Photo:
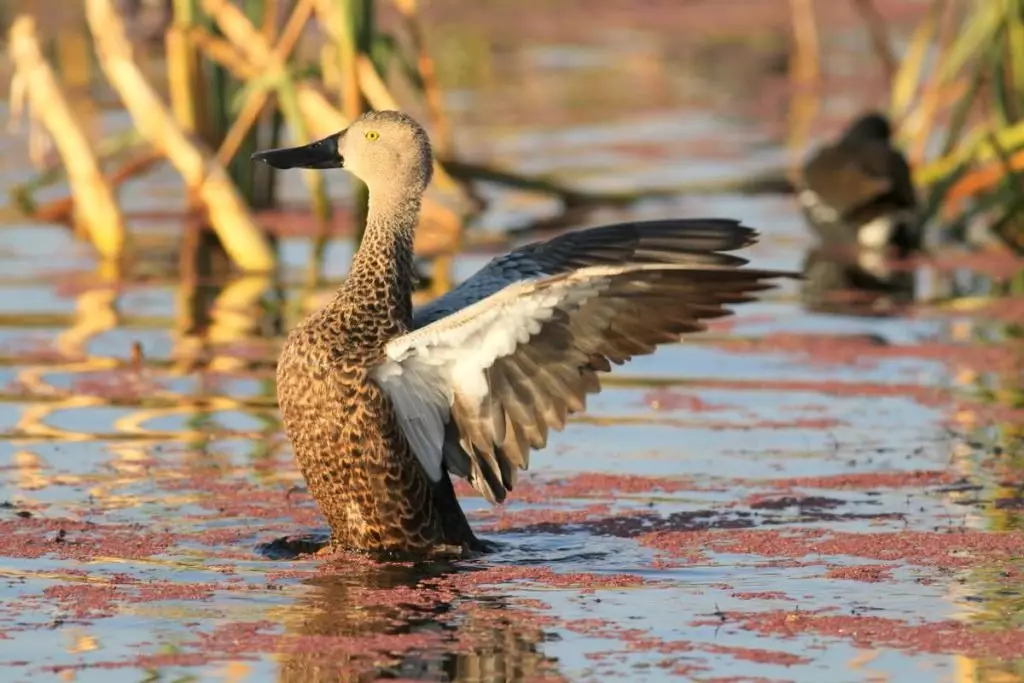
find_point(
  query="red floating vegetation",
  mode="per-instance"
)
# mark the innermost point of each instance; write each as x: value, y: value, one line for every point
x: 941, y: 637
x: 591, y: 485
x: 869, y: 573
x: 865, y: 349
x: 867, y: 481
x: 77, y: 540
x: 245, y: 639
x: 759, y: 655
x: 503, y: 519
x: 994, y: 263
x: 925, y: 395
x: 115, y: 384
x: 946, y: 549
x: 671, y: 399
x: 771, y: 501
x: 95, y: 600
x: 760, y: 595
x: 584, y: 581
x: 642, y: 641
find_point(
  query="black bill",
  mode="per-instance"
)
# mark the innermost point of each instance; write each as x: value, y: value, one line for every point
x: 320, y: 154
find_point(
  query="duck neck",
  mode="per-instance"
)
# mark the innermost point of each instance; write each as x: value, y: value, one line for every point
x: 382, y: 270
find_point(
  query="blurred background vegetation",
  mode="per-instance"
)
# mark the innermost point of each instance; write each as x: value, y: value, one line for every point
x: 201, y: 84
x: 206, y: 82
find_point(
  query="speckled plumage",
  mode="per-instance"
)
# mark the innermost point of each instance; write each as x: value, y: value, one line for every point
x: 382, y: 405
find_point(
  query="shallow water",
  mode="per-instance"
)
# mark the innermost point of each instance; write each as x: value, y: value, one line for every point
x: 795, y: 495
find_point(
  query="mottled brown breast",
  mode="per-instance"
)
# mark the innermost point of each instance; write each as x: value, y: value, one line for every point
x: 347, y: 441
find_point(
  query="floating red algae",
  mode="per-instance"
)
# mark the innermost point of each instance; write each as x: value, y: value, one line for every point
x: 760, y: 595
x: 641, y: 640
x: 594, y: 484
x: 865, y: 481
x: 585, y: 581
x: 683, y: 545
x: 118, y: 383
x: 786, y: 563
x: 952, y: 549
x: 832, y: 349
x: 994, y: 263
x: 547, y: 517
x: 925, y: 395
x: 93, y: 600
x: 743, y: 679
x: 947, y: 549
x: 670, y: 399
x: 798, y: 423
x: 243, y: 500
x: 84, y: 601
x: 759, y: 655
x: 73, y: 539
x: 867, y: 349
x: 222, y: 537
x: 246, y: 639
x: 591, y: 485
x: 726, y: 325
x: 1008, y: 309
x: 940, y: 637
x: 868, y: 573
x: 769, y: 501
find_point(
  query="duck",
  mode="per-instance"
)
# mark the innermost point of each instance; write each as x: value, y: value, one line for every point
x: 384, y: 405
x: 858, y: 191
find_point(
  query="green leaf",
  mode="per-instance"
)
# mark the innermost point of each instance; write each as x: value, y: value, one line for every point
x: 383, y: 48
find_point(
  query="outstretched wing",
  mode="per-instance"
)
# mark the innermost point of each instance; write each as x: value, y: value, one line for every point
x: 477, y: 390
x: 692, y: 240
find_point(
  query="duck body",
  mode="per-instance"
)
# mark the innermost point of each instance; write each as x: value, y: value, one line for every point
x: 859, y: 192
x: 344, y: 430
x: 384, y: 405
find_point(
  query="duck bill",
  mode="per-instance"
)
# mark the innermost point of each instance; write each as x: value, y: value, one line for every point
x: 320, y: 154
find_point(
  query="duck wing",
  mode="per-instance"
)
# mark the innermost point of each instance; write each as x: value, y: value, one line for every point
x: 475, y: 391
x: 694, y: 240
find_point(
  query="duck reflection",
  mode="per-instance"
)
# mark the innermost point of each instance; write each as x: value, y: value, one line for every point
x: 851, y: 283
x: 387, y: 622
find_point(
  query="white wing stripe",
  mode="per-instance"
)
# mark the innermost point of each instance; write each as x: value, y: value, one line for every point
x: 427, y: 368
x: 422, y: 408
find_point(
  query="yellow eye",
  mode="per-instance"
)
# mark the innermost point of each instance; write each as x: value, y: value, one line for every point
x: 372, y: 135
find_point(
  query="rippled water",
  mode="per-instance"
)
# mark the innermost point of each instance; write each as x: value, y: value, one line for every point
x: 796, y: 495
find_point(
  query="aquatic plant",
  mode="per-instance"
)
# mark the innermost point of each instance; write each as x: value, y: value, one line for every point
x: 958, y: 96
x: 234, y: 84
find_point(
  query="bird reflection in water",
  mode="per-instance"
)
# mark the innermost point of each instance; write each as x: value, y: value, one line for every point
x: 389, y: 622
x: 841, y: 281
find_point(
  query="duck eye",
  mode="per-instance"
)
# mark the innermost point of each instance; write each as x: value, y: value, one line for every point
x: 372, y: 135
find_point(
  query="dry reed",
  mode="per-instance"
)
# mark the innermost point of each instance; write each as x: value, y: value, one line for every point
x: 207, y: 180
x: 94, y: 204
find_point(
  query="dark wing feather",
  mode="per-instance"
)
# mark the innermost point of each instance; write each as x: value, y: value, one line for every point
x: 696, y: 241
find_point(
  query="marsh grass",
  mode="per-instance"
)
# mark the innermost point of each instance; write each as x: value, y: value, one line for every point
x: 958, y: 96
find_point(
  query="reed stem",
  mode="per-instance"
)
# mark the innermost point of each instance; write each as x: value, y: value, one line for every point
x: 95, y: 207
